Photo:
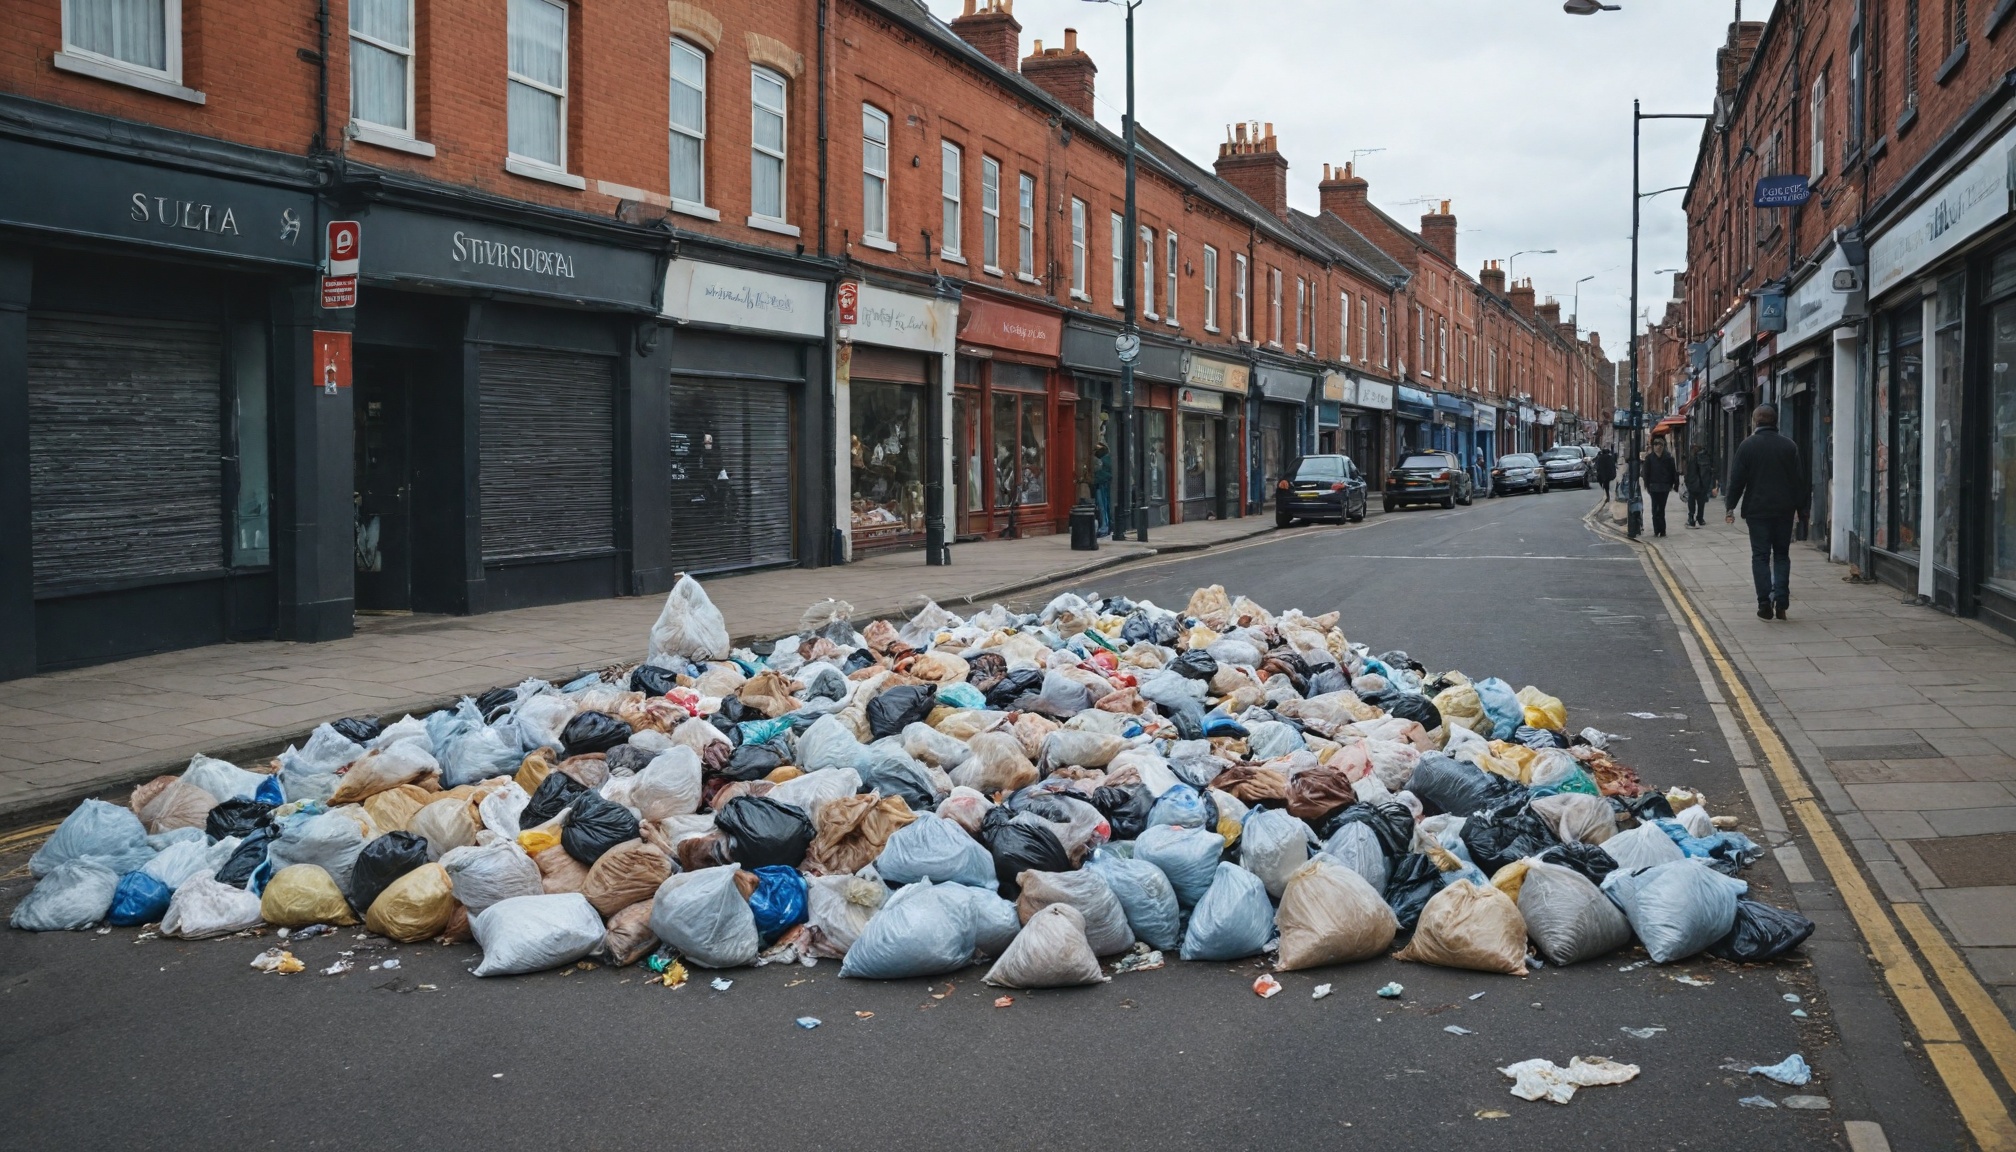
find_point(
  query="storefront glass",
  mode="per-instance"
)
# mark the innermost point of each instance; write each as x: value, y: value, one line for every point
x: 1907, y: 376
x: 1020, y: 460
x: 1200, y: 458
x: 2001, y: 550
x: 887, y: 422
x: 251, y: 544
x: 1879, y: 489
x: 1155, y: 455
x: 1946, y: 436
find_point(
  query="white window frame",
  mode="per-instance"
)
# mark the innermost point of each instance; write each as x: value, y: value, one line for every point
x: 1817, y: 118
x: 1301, y: 313
x: 1274, y: 306
x: 540, y: 169
x: 779, y: 222
x: 362, y: 128
x: 1441, y: 348
x: 1364, y: 330
x: 1119, y: 254
x: 1240, y: 279
x: 1147, y: 242
x: 1385, y: 338
x: 165, y: 81
x: 1172, y: 255
x: 990, y: 214
x: 1210, y: 289
x: 1080, y: 252
x: 875, y: 233
x: 1344, y: 327
x: 951, y: 200
x: 680, y: 45
x: 1025, y: 227
x: 1421, y: 360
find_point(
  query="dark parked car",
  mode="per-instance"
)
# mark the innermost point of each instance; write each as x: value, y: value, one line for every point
x: 1566, y: 466
x: 1428, y: 478
x: 1518, y: 472
x: 1320, y: 488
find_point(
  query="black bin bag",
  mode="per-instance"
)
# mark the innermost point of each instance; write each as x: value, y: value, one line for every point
x: 593, y: 732
x: 762, y: 832
x: 595, y: 826
x: 1762, y: 934
x: 554, y: 793
x: 384, y: 859
x: 1502, y: 835
x: 897, y: 708
x: 236, y: 817
x: 1409, y: 885
x: 1020, y: 844
x: 251, y: 853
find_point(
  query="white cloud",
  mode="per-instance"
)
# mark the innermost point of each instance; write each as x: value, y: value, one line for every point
x: 1513, y: 110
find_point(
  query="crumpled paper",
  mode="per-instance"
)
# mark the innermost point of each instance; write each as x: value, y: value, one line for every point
x: 1546, y: 1080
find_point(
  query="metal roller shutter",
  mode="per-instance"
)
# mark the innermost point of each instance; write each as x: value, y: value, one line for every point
x: 125, y: 457
x: 548, y: 452
x: 730, y: 474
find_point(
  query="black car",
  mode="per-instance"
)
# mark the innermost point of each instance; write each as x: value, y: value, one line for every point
x: 1428, y: 478
x: 1518, y: 472
x: 1320, y: 488
x: 1567, y: 466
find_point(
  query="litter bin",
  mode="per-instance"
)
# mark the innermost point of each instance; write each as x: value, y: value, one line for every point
x: 1084, y: 528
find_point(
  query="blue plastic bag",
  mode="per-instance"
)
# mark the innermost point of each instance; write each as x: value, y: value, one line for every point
x: 1187, y: 856
x: 1726, y: 852
x: 961, y: 695
x: 1502, y: 705
x: 269, y: 792
x: 1181, y: 806
x: 763, y: 731
x: 108, y: 835
x: 1233, y: 920
x: 921, y: 931
x: 1145, y: 895
x: 779, y: 900
x: 139, y: 899
x: 936, y: 849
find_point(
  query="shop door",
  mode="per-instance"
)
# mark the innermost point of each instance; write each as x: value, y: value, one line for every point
x: 966, y: 484
x: 1802, y: 437
x: 731, y: 477
x: 381, y: 397
x: 547, y: 435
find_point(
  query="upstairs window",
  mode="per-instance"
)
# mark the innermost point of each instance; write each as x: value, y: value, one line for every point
x: 1119, y: 269
x: 689, y: 123
x: 1148, y: 272
x: 381, y: 64
x: 1079, y: 271
x: 990, y: 213
x: 538, y: 82
x: 144, y: 35
x: 874, y: 172
x: 1169, y: 263
x: 1025, y: 232
x: 767, y: 143
x: 1210, y: 289
x: 1817, y: 119
x: 1239, y: 283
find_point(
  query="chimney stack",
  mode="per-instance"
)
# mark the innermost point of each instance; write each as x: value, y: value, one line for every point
x: 1550, y: 313
x: 1438, y: 229
x: 1492, y: 277
x: 1249, y: 161
x: 1733, y: 59
x: 1522, y: 297
x: 1343, y: 193
x: 990, y: 26
x: 1065, y: 73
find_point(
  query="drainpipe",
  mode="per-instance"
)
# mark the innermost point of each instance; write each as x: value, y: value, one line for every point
x: 320, y: 144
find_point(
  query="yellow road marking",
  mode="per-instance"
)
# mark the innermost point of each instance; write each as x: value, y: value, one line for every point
x: 13, y: 838
x: 1981, y: 1107
x: 1987, y: 1020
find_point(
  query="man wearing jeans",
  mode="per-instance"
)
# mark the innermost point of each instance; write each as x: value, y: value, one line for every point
x: 1772, y: 485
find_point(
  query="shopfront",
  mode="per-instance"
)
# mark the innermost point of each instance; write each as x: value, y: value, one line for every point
x: 1368, y: 424
x: 896, y: 371
x: 1018, y: 463
x: 1545, y: 420
x: 1159, y: 370
x: 1281, y: 417
x: 1414, y: 420
x: 167, y: 465
x: 1330, y: 392
x: 742, y: 406
x: 1485, y: 418
x: 1453, y: 419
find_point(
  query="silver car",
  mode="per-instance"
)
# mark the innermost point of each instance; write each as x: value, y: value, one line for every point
x: 1567, y: 467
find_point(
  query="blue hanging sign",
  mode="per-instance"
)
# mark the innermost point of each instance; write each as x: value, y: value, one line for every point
x: 1782, y: 192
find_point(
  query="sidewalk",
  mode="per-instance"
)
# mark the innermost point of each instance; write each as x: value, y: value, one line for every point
x: 66, y: 735
x: 1903, y: 717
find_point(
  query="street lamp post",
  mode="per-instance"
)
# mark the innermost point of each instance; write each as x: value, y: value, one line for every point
x: 1129, y: 496
x: 1633, y: 501
x: 1512, y: 265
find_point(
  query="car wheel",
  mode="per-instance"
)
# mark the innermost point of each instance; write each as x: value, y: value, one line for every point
x: 1449, y: 501
x: 1283, y: 520
x: 1388, y: 505
x: 1469, y: 498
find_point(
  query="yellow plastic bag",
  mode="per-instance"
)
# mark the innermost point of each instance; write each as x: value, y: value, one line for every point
x: 538, y: 840
x: 1542, y: 710
x: 303, y: 894
x: 1465, y: 926
x: 1460, y: 705
x: 1511, y: 877
x: 1521, y: 758
x: 415, y: 907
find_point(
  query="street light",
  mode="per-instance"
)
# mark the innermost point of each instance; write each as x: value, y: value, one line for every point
x: 1513, y: 263
x: 1128, y: 501
x: 1578, y: 303
x: 1587, y: 7
x: 1634, y: 524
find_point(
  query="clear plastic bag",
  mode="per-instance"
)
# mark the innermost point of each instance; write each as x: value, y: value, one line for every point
x: 705, y: 916
x: 109, y: 834
x: 1102, y: 919
x: 203, y: 908
x: 1232, y: 921
x: 1187, y: 856
x: 534, y: 933
x: 1678, y: 908
x: 487, y: 874
x: 75, y: 894
x: 330, y: 841
x: 1273, y: 846
x: 1330, y: 915
x: 1051, y: 951
x: 920, y: 931
x: 689, y: 627
x: 1145, y: 895
x: 935, y: 849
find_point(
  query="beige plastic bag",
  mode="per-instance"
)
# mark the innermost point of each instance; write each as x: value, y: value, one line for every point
x: 1211, y: 607
x: 166, y: 803
x: 303, y: 894
x: 629, y: 938
x: 1049, y: 952
x: 997, y: 765
x: 1461, y: 705
x: 382, y: 769
x: 559, y: 872
x: 1577, y: 818
x: 625, y: 874
x: 446, y: 824
x: 393, y: 809
x: 414, y: 907
x: 1330, y: 915
x: 1465, y: 926
x: 852, y: 830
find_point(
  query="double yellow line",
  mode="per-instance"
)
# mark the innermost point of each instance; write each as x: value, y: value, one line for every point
x: 1980, y: 1105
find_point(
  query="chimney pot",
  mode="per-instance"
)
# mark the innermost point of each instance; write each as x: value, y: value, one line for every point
x: 1068, y: 75
x: 1070, y: 40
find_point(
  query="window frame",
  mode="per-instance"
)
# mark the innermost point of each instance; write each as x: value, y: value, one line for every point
x: 171, y: 57
x: 1344, y: 327
x: 1816, y: 111
x: 1275, y: 318
x: 952, y: 202
x: 1364, y: 329
x: 781, y: 155
x: 1146, y: 240
x: 1025, y: 226
x: 1302, y: 314
x: 1210, y: 288
x: 1241, y: 282
x: 1119, y: 256
x: 1171, y: 256
x: 681, y: 44
x: 1081, y: 250
x: 1385, y: 337
x: 410, y: 53
x: 566, y: 76
x: 870, y: 231
x: 990, y: 218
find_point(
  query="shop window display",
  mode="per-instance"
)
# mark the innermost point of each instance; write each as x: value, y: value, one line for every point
x: 1946, y: 432
x: 1200, y: 459
x: 1907, y: 377
x: 887, y: 422
x: 1155, y: 455
x: 1020, y: 460
x: 2002, y: 443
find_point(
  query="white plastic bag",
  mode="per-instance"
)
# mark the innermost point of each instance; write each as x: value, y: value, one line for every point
x: 107, y: 833
x: 689, y: 627
x: 501, y: 808
x: 221, y: 778
x: 669, y: 785
x: 705, y: 917
x: 73, y: 895
x: 1577, y: 817
x: 930, y: 746
x: 534, y: 933
x: 1568, y: 918
x: 1677, y: 908
x: 1356, y: 847
x: 920, y: 931
x: 1642, y: 847
x: 178, y: 862
x: 811, y: 791
x: 202, y: 908
x: 330, y: 841
x: 487, y: 874
x: 936, y: 849
x: 1051, y: 952
x: 1273, y: 845
x: 837, y: 908
x: 1232, y: 921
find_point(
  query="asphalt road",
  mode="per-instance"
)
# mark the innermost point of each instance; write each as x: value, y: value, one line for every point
x: 109, y: 1040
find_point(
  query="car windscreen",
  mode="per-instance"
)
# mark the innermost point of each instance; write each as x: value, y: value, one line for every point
x: 1322, y: 468
x: 1424, y: 462
x: 1517, y: 460
x: 1563, y: 454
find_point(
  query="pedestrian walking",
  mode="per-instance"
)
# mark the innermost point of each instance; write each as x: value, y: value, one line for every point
x: 1771, y: 483
x: 1700, y: 485
x: 1606, y: 470
x: 1102, y: 487
x: 1660, y: 477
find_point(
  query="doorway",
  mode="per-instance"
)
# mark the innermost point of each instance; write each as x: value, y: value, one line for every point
x: 383, y: 480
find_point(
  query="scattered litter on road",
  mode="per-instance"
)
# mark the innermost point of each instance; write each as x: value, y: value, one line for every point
x: 1321, y: 991
x: 1145, y: 961
x: 1790, y: 998
x: 1493, y: 1114
x: 1799, y: 1012
x: 720, y: 984
x: 1691, y: 980
x: 277, y: 960
x: 1476, y: 995
x: 1391, y: 991
x: 1458, y: 1030
x: 1266, y: 987
x: 1757, y: 1102
x: 339, y: 968
x: 1809, y: 1103
x: 1634, y: 967
x: 1642, y: 1033
x: 1005, y: 1001
x: 864, y: 1015
x: 808, y: 1022
x: 1643, y: 715
x: 1792, y: 1070
x: 1545, y: 1080
x: 496, y: 1076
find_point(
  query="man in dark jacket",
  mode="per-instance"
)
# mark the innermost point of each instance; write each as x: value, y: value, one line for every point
x: 1660, y: 476
x: 1771, y: 483
x: 1700, y: 485
x: 1606, y: 470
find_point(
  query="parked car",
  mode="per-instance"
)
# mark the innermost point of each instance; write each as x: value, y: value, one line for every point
x: 1320, y: 488
x: 1518, y: 472
x: 1428, y: 478
x: 1566, y: 466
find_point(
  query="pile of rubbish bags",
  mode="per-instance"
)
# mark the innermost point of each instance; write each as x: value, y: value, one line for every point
x: 1040, y: 790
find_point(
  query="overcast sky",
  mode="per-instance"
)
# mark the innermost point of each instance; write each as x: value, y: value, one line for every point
x: 1513, y: 110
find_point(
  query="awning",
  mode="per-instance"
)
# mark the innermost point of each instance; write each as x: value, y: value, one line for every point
x: 1669, y: 424
x: 1280, y: 384
x: 1414, y: 404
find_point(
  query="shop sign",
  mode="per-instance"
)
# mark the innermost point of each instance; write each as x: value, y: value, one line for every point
x: 1735, y: 400
x: 1976, y: 197
x: 900, y: 320
x: 847, y: 302
x: 1525, y: 414
x: 1770, y: 312
x: 995, y: 324
x: 332, y: 362
x: 697, y: 292
x: 1736, y: 333
x: 1544, y: 417
x: 423, y: 247
x: 340, y: 261
x: 1814, y: 306
x: 1199, y: 400
x: 1486, y: 414
x: 1782, y: 192
x: 1223, y: 375
x: 1337, y: 388
x: 1375, y: 394
x: 1292, y: 387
